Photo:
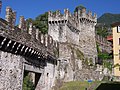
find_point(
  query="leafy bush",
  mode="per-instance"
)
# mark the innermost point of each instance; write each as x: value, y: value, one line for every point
x: 40, y: 22
x: 28, y: 84
x: 102, y: 31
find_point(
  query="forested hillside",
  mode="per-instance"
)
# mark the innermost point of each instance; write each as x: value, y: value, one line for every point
x: 109, y: 18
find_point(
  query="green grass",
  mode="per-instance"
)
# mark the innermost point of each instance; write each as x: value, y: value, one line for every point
x: 78, y: 85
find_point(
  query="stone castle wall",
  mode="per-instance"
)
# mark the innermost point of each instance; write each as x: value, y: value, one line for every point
x: 30, y: 37
x: 87, y: 42
x: 35, y: 48
x: 77, y: 28
x: 77, y: 44
x: 76, y: 48
x: 74, y: 65
x: 104, y: 45
x: 47, y: 79
x: 11, y: 71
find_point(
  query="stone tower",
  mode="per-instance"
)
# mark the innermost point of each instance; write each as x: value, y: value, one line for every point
x: 77, y: 29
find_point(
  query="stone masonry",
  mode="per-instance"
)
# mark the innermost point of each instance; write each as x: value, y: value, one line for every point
x: 70, y: 44
x: 77, y: 29
x: 77, y: 44
x: 23, y: 49
x: 104, y: 45
x: 11, y: 71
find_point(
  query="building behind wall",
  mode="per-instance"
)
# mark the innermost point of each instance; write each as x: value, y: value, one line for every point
x: 116, y: 47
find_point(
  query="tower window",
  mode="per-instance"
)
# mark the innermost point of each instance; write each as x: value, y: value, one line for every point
x: 49, y: 22
x: 52, y: 22
x: 119, y: 41
x: 59, y: 22
x: 62, y: 21
x: 56, y: 22
x: 47, y: 74
x: 118, y: 29
x: 60, y: 27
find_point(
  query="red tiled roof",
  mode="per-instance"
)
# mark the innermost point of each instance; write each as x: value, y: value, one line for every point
x: 110, y: 38
x: 115, y: 24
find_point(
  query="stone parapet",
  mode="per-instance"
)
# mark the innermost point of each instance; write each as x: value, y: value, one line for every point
x: 22, y: 23
x: 81, y: 15
x: 10, y: 17
x: 33, y: 39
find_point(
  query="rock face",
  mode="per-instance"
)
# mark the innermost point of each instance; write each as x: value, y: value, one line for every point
x: 77, y: 45
x: 73, y: 65
x: 11, y: 71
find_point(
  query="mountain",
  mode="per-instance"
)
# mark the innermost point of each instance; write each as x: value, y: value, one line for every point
x: 109, y: 18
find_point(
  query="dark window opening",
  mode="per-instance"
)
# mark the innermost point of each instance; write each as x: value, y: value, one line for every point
x: 119, y: 41
x: 119, y: 54
x: 47, y: 74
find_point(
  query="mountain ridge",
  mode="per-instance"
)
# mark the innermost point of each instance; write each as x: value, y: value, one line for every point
x: 109, y: 18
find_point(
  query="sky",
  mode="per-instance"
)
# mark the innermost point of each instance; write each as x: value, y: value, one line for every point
x: 33, y: 8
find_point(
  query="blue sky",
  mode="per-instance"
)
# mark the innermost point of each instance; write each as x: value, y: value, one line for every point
x: 32, y: 8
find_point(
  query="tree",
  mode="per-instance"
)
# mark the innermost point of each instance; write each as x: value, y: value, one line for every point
x: 28, y: 21
x: 80, y: 7
x: 41, y: 22
x: 102, y: 31
x: 28, y: 84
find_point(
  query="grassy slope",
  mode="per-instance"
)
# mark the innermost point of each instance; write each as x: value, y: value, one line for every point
x: 77, y: 85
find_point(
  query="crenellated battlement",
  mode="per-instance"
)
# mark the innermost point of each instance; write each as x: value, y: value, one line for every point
x: 77, y: 17
x: 22, y: 23
x: 65, y: 27
x: 10, y: 17
x: 31, y: 37
x: 70, y: 38
x: 77, y: 29
x: 56, y: 18
x: 25, y: 49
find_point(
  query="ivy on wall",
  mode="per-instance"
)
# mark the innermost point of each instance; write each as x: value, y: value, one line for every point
x: 105, y: 57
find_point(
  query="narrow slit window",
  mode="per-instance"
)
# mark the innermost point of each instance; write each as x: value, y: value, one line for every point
x: 119, y: 54
x: 118, y: 29
x: 119, y: 41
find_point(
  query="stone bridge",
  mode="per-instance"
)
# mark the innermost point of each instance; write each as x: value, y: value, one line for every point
x: 26, y: 51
